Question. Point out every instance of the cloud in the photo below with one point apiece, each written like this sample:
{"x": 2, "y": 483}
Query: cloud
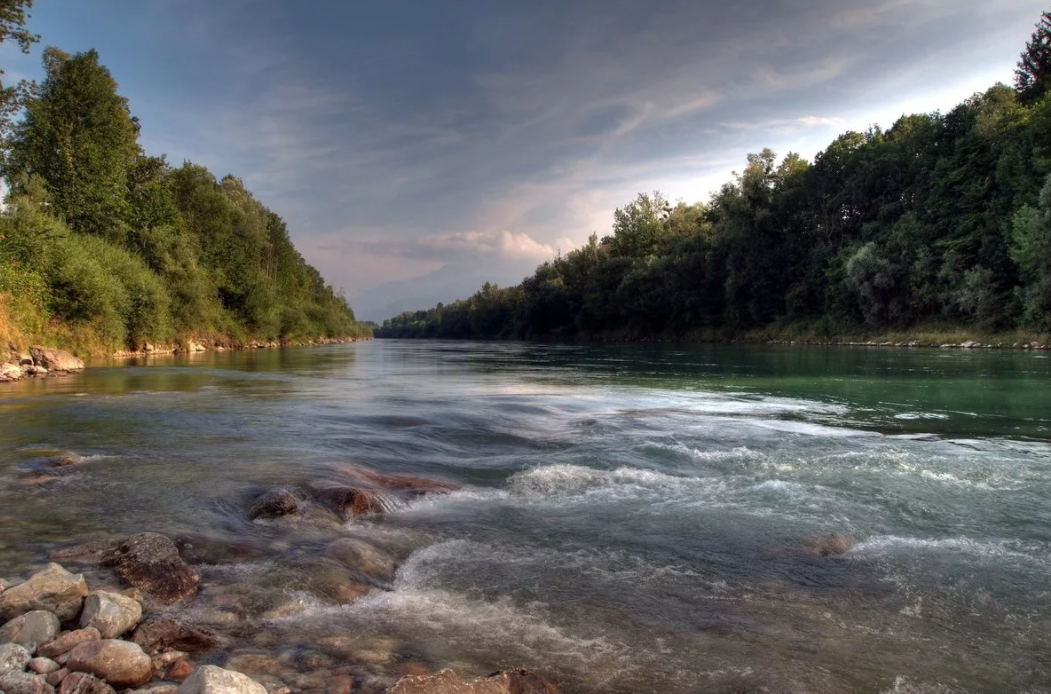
{"x": 454, "y": 246}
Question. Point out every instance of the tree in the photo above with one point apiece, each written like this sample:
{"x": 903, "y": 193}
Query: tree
{"x": 13, "y": 17}
{"x": 1034, "y": 67}
{"x": 80, "y": 137}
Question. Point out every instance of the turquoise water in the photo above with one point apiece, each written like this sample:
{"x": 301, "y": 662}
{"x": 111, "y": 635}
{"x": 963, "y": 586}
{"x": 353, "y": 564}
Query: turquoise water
{"x": 630, "y": 518}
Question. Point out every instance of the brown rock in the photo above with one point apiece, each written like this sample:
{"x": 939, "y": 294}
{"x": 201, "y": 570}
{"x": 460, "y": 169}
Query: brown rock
{"x": 340, "y": 684}
{"x": 83, "y": 683}
{"x": 54, "y": 589}
{"x": 16, "y": 682}
{"x": 160, "y": 632}
{"x": 121, "y": 663}
{"x": 828, "y": 545}
{"x": 280, "y": 502}
{"x": 358, "y": 554}
{"x": 180, "y": 670}
{"x": 151, "y": 562}
{"x": 448, "y": 682}
{"x": 414, "y": 485}
{"x": 65, "y": 643}
{"x": 55, "y": 359}
{"x": 55, "y": 678}
{"x": 350, "y": 502}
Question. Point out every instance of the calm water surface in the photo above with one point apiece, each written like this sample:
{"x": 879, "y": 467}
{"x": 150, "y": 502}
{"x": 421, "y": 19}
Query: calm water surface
{"x": 631, "y": 518}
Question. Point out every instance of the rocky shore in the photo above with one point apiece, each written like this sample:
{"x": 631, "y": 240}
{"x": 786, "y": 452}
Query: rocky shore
{"x": 39, "y": 362}
{"x": 152, "y": 620}
{"x": 193, "y": 346}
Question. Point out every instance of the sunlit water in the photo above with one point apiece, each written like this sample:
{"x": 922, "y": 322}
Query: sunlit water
{"x": 631, "y": 519}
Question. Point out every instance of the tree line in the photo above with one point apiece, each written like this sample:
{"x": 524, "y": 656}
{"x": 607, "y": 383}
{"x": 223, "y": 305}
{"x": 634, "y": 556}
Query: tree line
{"x": 943, "y": 219}
{"x": 103, "y": 246}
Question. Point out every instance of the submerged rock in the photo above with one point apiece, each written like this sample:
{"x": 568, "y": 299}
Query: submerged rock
{"x": 19, "y": 682}
{"x": 83, "y": 683}
{"x": 161, "y": 632}
{"x": 411, "y": 485}
{"x": 211, "y": 679}
{"x": 375, "y": 492}
{"x": 54, "y": 589}
{"x": 350, "y": 502}
{"x": 55, "y": 359}
{"x": 151, "y": 563}
{"x": 13, "y": 656}
{"x": 66, "y": 642}
{"x": 30, "y": 629}
{"x": 358, "y": 554}
{"x": 829, "y": 545}
{"x": 111, "y": 613}
{"x": 448, "y": 682}
{"x": 121, "y": 663}
{"x": 280, "y": 502}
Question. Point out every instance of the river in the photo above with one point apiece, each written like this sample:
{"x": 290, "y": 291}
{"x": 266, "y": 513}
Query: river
{"x": 630, "y": 518}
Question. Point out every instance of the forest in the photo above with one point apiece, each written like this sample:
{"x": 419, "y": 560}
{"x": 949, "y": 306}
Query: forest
{"x": 941, "y": 222}
{"x": 104, "y": 247}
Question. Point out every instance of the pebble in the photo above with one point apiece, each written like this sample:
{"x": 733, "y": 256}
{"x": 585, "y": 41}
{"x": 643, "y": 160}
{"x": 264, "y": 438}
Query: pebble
{"x": 43, "y": 666}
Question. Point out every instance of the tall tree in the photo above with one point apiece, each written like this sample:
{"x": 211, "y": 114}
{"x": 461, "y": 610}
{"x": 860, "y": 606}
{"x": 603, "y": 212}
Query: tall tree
{"x": 79, "y": 136}
{"x": 1034, "y": 68}
{"x": 13, "y": 17}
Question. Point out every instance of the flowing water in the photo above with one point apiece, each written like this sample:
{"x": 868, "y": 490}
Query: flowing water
{"x": 629, "y": 519}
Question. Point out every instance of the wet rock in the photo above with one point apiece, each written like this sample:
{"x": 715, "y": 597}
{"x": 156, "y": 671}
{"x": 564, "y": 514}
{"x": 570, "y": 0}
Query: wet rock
{"x": 340, "y": 684}
{"x": 11, "y": 372}
{"x": 30, "y": 629}
{"x": 24, "y": 683}
{"x": 358, "y": 554}
{"x": 210, "y": 679}
{"x": 83, "y": 683}
{"x": 151, "y": 562}
{"x": 829, "y": 545}
{"x": 350, "y": 502}
{"x": 334, "y": 585}
{"x": 111, "y": 613}
{"x": 448, "y": 682}
{"x": 410, "y": 485}
{"x": 158, "y": 689}
{"x": 55, "y": 360}
{"x": 63, "y": 461}
{"x": 280, "y": 502}
{"x": 56, "y": 677}
{"x": 13, "y": 656}
{"x": 121, "y": 663}
{"x": 161, "y": 632}
{"x": 43, "y": 666}
{"x": 66, "y": 642}
{"x": 54, "y": 589}
{"x": 180, "y": 670}
{"x": 87, "y": 553}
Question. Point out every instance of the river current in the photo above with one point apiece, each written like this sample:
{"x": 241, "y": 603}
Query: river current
{"x": 629, "y": 518}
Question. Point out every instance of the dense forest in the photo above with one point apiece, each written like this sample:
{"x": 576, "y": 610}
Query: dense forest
{"x": 104, "y": 247}
{"x": 941, "y": 222}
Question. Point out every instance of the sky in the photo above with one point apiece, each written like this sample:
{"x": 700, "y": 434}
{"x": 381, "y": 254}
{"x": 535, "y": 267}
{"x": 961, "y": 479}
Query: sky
{"x": 418, "y": 148}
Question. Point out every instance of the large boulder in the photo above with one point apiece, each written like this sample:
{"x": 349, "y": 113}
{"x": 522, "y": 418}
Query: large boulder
{"x": 280, "y": 502}
{"x": 211, "y": 679}
{"x": 162, "y": 632}
{"x": 55, "y": 359}
{"x": 151, "y": 563}
{"x": 54, "y": 589}
{"x": 24, "y": 683}
{"x": 83, "y": 683}
{"x": 448, "y": 682}
{"x": 68, "y": 641}
{"x": 121, "y": 663}
{"x": 111, "y": 613}
{"x": 13, "y": 656}
{"x": 30, "y": 629}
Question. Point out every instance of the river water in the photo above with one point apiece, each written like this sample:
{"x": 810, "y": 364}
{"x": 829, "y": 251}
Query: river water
{"x": 629, "y": 519}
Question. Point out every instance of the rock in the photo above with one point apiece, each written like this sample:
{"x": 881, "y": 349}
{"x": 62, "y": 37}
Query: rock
{"x": 13, "y": 656}
{"x": 56, "y": 677}
{"x": 66, "y": 642}
{"x": 111, "y": 613}
{"x": 30, "y": 629}
{"x": 409, "y": 485}
{"x": 63, "y": 461}
{"x": 24, "y": 683}
{"x": 350, "y": 502}
{"x": 83, "y": 683}
{"x": 210, "y": 679}
{"x": 831, "y": 544}
{"x": 44, "y": 666}
{"x": 358, "y": 554}
{"x": 159, "y": 633}
{"x": 151, "y": 562}
{"x": 35, "y": 370}
{"x": 280, "y": 502}
{"x": 180, "y": 670}
{"x": 11, "y": 372}
{"x": 54, "y": 589}
{"x": 158, "y": 689}
{"x": 448, "y": 682}
{"x": 55, "y": 359}
{"x": 121, "y": 663}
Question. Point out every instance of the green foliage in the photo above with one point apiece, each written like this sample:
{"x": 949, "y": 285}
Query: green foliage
{"x": 1034, "y": 67}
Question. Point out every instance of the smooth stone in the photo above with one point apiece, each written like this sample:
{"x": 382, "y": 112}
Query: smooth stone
{"x": 54, "y": 589}
{"x": 159, "y": 633}
{"x": 121, "y": 663}
{"x": 31, "y": 629}
{"x": 210, "y": 679}
{"x": 151, "y": 563}
{"x": 43, "y": 666}
{"x": 448, "y": 682}
{"x": 65, "y": 643}
{"x": 280, "y": 502}
{"x": 13, "y": 656}
{"x": 55, "y": 360}
{"x": 56, "y": 677}
{"x": 158, "y": 689}
{"x": 180, "y": 670}
{"x": 358, "y": 554}
{"x": 111, "y": 613}
{"x": 83, "y": 683}
{"x": 24, "y": 683}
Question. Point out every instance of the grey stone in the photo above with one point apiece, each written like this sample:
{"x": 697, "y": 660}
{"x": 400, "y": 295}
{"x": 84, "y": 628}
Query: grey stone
{"x": 24, "y": 683}
{"x": 13, "y": 656}
{"x": 111, "y": 613}
{"x": 210, "y": 679}
{"x": 30, "y": 629}
{"x": 280, "y": 502}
